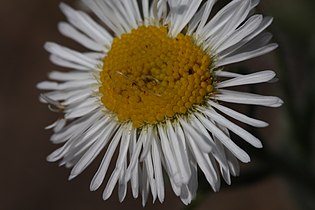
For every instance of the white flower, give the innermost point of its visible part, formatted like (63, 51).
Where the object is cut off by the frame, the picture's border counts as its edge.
(150, 87)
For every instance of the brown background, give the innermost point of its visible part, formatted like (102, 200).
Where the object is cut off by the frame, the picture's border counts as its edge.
(28, 182)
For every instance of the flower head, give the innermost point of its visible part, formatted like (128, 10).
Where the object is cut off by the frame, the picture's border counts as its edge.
(150, 87)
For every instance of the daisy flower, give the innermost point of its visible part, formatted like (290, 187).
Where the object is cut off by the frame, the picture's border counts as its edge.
(150, 87)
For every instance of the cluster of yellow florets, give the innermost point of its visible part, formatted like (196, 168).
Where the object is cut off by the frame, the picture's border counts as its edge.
(148, 77)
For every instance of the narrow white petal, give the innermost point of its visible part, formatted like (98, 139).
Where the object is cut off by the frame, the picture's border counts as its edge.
(233, 163)
(70, 55)
(158, 171)
(185, 195)
(59, 153)
(122, 185)
(202, 141)
(150, 173)
(76, 127)
(80, 145)
(260, 41)
(47, 85)
(254, 37)
(233, 127)
(193, 182)
(135, 172)
(219, 20)
(221, 73)
(81, 111)
(85, 23)
(203, 162)
(248, 98)
(78, 96)
(124, 144)
(67, 64)
(239, 15)
(147, 143)
(57, 125)
(179, 153)
(116, 12)
(246, 55)
(69, 85)
(238, 116)
(105, 13)
(205, 15)
(145, 11)
(69, 31)
(176, 188)
(228, 143)
(193, 24)
(182, 14)
(135, 156)
(231, 159)
(254, 78)
(216, 152)
(91, 154)
(68, 76)
(102, 170)
(240, 33)
(145, 186)
(169, 156)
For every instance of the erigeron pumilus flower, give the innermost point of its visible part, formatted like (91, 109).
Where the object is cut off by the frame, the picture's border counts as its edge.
(150, 87)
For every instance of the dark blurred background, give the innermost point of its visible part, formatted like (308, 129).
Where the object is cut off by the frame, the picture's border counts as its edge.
(280, 176)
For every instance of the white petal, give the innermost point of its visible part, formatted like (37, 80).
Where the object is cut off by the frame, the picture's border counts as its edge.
(169, 156)
(150, 173)
(147, 143)
(219, 20)
(91, 154)
(105, 13)
(203, 162)
(205, 16)
(193, 24)
(135, 156)
(57, 125)
(246, 55)
(47, 85)
(68, 76)
(67, 64)
(258, 77)
(78, 96)
(85, 23)
(124, 144)
(233, 127)
(158, 171)
(122, 186)
(135, 171)
(81, 111)
(76, 127)
(238, 116)
(216, 152)
(240, 33)
(70, 55)
(145, 186)
(248, 98)
(239, 15)
(69, 31)
(181, 15)
(179, 152)
(102, 170)
(228, 143)
(221, 73)
(201, 140)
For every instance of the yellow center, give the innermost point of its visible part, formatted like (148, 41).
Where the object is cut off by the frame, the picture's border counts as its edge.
(148, 76)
